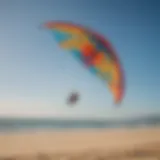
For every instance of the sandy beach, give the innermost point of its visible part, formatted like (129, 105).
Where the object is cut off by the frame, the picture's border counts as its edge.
(124, 144)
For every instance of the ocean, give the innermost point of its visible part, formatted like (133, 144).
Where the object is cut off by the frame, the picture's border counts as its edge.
(23, 124)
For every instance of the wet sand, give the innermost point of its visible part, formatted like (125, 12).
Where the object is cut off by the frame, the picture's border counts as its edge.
(111, 144)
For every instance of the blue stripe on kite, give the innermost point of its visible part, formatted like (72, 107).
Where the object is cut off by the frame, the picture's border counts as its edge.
(61, 36)
(77, 54)
(93, 70)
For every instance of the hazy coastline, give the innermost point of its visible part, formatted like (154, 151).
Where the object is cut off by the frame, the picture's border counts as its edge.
(81, 139)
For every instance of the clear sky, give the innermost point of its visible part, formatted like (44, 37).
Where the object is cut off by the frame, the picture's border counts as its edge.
(37, 76)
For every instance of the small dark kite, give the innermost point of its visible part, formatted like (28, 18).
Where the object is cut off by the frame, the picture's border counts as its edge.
(73, 98)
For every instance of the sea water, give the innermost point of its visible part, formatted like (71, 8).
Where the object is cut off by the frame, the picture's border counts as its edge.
(18, 124)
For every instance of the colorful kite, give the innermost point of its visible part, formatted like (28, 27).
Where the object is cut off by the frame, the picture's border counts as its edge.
(93, 51)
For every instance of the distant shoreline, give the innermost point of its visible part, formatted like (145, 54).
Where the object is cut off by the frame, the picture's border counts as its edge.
(24, 124)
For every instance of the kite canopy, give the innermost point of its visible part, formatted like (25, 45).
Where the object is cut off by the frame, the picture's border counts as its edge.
(93, 51)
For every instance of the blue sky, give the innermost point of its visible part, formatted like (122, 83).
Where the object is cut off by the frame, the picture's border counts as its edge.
(37, 76)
